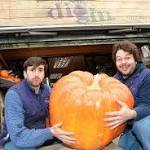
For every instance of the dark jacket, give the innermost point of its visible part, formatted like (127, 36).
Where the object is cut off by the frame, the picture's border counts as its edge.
(35, 105)
(139, 84)
(25, 114)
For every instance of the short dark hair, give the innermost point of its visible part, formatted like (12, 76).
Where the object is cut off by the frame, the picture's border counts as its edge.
(34, 61)
(126, 46)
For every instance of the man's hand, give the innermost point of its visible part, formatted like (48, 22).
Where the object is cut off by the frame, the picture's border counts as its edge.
(116, 118)
(61, 134)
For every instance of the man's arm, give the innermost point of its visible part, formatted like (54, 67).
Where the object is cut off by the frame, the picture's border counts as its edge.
(142, 107)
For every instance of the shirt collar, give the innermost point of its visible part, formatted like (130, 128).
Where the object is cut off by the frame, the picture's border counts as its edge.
(31, 89)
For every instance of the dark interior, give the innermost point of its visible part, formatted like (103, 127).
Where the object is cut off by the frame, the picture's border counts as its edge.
(67, 49)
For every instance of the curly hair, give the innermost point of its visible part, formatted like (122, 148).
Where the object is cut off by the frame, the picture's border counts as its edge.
(126, 46)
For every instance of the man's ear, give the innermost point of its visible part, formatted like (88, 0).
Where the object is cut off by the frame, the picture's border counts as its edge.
(25, 74)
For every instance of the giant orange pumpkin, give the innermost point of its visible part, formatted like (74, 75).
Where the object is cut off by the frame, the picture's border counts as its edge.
(80, 100)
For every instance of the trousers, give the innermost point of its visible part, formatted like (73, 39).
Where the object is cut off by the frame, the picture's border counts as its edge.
(138, 137)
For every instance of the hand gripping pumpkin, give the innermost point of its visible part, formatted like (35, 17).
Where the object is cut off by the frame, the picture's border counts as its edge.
(80, 100)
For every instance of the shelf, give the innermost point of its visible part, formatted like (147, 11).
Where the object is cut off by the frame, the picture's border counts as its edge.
(6, 84)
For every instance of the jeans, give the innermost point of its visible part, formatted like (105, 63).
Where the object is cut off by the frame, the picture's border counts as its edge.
(138, 137)
(11, 146)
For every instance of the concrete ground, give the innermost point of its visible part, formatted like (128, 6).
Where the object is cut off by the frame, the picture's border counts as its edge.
(111, 146)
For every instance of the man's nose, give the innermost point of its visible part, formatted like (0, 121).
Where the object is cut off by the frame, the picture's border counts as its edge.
(36, 72)
(123, 61)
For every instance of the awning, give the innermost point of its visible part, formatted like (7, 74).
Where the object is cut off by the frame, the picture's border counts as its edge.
(50, 36)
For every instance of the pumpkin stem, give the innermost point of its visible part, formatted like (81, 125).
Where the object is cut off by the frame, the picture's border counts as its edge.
(95, 84)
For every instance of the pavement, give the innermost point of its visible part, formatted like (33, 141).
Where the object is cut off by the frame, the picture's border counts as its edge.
(111, 146)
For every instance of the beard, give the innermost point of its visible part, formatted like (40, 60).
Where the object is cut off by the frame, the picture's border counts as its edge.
(35, 82)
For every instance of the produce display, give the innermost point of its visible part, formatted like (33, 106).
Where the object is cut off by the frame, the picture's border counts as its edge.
(5, 74)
